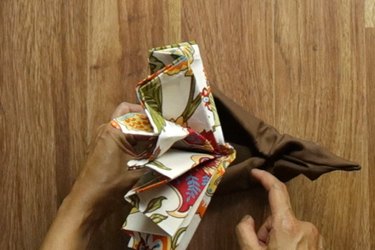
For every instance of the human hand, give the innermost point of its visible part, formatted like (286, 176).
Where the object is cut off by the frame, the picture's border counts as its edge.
(105, 178)
(281, 230)
(100, 187)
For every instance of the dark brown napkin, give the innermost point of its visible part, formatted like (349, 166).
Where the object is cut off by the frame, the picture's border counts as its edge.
(259, 145)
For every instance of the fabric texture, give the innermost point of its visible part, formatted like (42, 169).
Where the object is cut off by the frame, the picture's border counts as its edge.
(188, 155)
(259, 145)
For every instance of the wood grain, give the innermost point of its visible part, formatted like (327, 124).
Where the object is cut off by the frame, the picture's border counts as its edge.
(238, 55)
(319, 54)
(370, 13)
(306, 67)
(41, 119)
(370, 81)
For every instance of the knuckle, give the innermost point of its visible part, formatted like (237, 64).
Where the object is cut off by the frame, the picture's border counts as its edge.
(122, 108)
(311, 228)
(290, 224)
(108, 132)
(124, 105)
(279, 186)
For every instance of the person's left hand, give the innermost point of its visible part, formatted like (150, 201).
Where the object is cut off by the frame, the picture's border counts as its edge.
(105, 178)
(100, 187)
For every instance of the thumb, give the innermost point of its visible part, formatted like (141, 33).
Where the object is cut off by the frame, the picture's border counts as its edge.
(246, 235)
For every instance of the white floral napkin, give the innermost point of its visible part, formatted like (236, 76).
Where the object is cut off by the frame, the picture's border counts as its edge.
(189, 157)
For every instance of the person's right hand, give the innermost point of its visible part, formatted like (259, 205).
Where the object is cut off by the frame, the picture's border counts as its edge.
(282, 230)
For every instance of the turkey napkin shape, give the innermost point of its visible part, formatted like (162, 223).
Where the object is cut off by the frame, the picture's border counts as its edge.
(189, 156)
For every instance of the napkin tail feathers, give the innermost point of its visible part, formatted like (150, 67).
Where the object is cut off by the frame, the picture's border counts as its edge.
(260, 145)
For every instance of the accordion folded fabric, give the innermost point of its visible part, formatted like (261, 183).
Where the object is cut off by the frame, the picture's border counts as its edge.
(188, 156)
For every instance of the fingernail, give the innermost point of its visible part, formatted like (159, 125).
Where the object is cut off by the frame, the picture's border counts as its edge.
(247, 217)
(256, 170)
(115, 125)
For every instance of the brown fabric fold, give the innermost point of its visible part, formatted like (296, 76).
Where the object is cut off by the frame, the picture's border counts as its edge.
(260, 145)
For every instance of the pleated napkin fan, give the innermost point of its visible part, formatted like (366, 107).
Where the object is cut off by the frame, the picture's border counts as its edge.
(189, 155)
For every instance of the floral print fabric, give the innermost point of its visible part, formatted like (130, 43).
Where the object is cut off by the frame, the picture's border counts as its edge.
(189, 156)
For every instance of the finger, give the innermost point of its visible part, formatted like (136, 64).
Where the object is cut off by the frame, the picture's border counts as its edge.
(245, 231)
(277, 193)
(125, 141)
(264, 230)
(237, 176)
(125, 108)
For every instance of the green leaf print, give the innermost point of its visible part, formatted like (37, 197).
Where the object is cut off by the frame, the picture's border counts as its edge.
(214, 112)
(154, 204)
(158, 120)
(193, 102)
(157, 218)
(152, 94)
(179, 232)
(134, 210)
(160, 165)
(134, 199)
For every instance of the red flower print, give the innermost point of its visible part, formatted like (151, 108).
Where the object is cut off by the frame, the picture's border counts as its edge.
(205, 94)
(209, 135)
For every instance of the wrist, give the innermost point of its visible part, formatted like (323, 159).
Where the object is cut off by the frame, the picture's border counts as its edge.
(89, 202)
(93, 201)
(80, 213)
(72, 227)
